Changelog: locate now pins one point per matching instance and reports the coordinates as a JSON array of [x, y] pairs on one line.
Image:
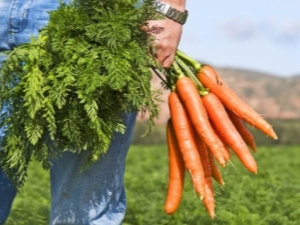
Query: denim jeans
[[95, 196]]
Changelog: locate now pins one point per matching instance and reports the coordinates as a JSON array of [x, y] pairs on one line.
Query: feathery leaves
[[67, 88]]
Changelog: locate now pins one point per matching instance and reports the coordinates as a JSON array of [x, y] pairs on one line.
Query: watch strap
[[171, 13]]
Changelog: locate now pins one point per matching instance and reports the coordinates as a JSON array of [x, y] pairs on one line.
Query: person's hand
[[167, 35]]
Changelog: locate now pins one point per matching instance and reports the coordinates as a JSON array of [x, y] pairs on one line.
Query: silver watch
[[173, 14]]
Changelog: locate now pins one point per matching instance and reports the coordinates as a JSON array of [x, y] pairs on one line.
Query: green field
[[272, 197]]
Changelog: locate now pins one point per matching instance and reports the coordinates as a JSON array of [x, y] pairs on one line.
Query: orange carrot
[[176, 173], [226, 153], [210, 79], [191, 99], [186, 142], [204, 157], [219, 117], [215, 172], [208, 200], [244, 132]]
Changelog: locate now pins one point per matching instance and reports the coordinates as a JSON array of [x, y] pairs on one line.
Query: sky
[[261, 35]]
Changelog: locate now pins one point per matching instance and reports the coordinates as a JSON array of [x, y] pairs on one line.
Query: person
[[97, 195]]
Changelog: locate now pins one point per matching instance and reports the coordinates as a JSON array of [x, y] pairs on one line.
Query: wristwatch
[[173, 14]]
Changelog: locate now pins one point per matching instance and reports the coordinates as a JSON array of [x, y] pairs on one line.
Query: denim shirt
[[19, 19]]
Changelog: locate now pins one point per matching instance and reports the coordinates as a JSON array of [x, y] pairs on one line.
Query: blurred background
[[258, 35]]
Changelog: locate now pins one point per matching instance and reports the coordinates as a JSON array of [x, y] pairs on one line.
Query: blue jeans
[[95, 196]]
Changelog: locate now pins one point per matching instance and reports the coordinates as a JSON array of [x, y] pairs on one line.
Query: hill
[[272, 96]]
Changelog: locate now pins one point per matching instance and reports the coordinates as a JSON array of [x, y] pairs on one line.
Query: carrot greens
[[67, 88]]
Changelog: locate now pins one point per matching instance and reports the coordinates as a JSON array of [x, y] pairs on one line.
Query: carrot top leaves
[[67, 88], [189, 60]]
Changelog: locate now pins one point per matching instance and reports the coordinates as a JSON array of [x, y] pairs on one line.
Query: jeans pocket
[[19, 15]]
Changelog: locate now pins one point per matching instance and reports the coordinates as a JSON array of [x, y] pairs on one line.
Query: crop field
[[272, 197]]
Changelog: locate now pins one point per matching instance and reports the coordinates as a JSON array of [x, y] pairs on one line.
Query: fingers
[[167, 63], [165, 55], [165, 51]]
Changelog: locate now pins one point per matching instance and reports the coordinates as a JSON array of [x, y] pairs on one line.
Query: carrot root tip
[[223, 164]]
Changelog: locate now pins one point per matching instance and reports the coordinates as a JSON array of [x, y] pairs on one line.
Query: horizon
[[267, 73]]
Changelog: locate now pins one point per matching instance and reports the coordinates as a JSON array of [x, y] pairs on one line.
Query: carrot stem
[[177, 70], [194, 63]]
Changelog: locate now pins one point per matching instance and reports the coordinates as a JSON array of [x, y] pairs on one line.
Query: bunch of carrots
[[205, 126]]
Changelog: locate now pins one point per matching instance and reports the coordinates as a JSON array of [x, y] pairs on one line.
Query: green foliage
[[288, 131], [156, 137], [66, 89], [269, 198], [32, 205]]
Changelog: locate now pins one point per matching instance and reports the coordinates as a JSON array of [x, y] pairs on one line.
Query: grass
[[269, 198]]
